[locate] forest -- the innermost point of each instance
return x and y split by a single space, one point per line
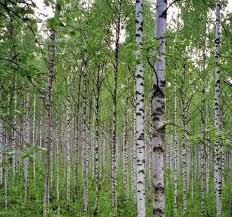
115 108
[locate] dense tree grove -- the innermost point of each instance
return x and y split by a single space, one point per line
116 108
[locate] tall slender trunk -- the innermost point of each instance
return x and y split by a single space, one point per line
96 148
185 140
34 136
207 164
14 137
203 150
114 121
158 110
218 113
58 136
40 133
52 160
1 148
26 143
194 172
91 153
5 172
84 140
175 148
14 57
3 163
125 145
90 138
140 145
51 74
68 143
77 139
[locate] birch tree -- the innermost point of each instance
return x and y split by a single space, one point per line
26 145
175 141
140 144
218 112
97 141
117 26
48 141
185 138
68 142
203 149
125 144
84 140
158 109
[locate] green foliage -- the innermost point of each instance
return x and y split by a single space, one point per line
88 34
126 204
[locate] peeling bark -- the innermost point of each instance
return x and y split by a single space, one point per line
158 110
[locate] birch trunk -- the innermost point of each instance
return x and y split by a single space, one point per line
208 165
51 74
184 142
68 143
203 152
34 135
26 144
4 141
40 134
175 148
84 141
14 141
5 174
58 133
158 109
114 121
77 138
140 144
218 113
125 146
96 148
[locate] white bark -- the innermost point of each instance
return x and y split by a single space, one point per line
218 115
5 175
84 141
158 109
207 167
68 143
14 142
140 144
34 135
26 143
185 141
175 147
97 146
125 146
114 152
203 150
51 74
